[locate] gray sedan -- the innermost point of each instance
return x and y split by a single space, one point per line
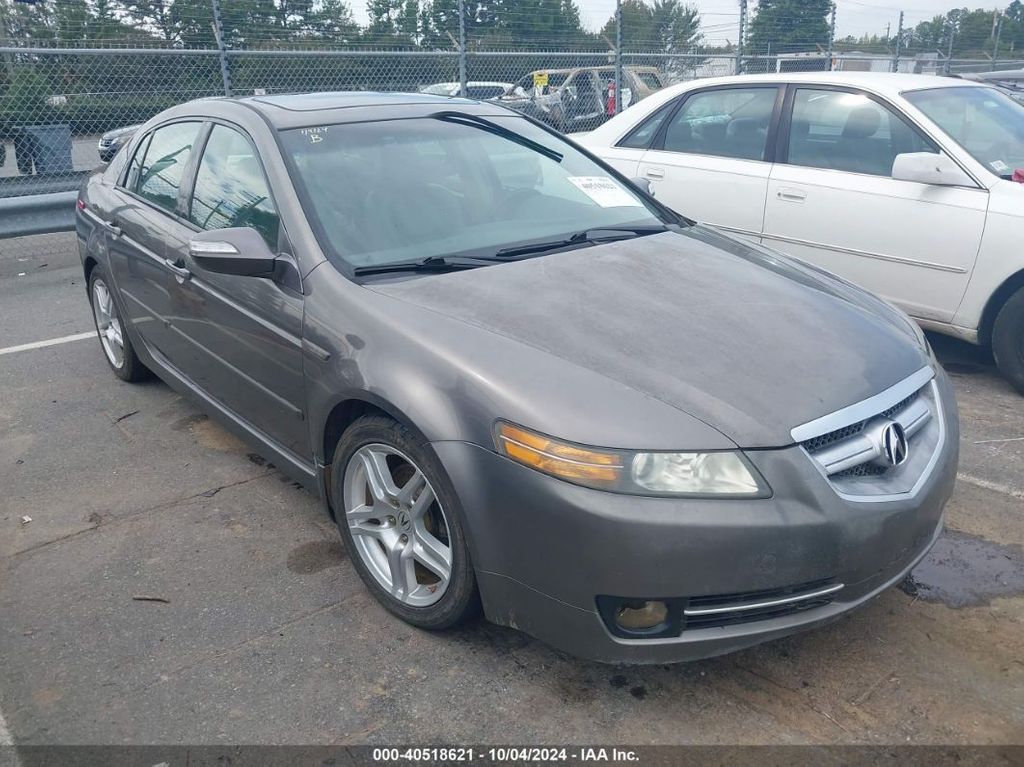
519 384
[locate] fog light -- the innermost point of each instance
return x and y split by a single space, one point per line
637 616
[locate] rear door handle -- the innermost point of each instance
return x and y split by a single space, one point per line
654 172
178 271
113 228
792 195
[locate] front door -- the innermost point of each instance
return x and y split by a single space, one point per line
832 201
239 338
711 161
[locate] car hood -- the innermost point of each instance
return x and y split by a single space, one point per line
748 341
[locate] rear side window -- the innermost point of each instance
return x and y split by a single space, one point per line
846 131
230 188
649 79
167 153
728 122
642 135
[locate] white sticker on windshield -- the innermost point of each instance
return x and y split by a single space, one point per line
999 167
605 192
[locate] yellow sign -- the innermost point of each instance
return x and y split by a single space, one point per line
540 79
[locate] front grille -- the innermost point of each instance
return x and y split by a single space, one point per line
748 607
818 443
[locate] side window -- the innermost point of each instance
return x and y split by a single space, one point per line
230 188
131 180
728 122
167 153
839 130
642 135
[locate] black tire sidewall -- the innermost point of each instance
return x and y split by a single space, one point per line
460 601
1008 340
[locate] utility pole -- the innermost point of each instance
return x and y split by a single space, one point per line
899 41
462 49
739 38
831 34
949 50
995 46
618 56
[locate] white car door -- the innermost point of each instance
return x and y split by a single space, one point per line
625 154
711 160
832 201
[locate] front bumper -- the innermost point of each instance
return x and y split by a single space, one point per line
544 550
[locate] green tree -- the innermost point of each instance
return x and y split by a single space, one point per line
789 26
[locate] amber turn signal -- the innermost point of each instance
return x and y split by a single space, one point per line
560 459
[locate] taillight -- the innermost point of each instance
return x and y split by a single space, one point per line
81 204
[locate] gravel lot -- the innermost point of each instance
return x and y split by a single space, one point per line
267 635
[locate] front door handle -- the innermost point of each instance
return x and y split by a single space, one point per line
179 271
654 172
792 195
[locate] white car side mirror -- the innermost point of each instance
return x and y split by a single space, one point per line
929 168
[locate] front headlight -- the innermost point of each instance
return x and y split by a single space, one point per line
719 474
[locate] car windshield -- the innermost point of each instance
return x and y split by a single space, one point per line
984 121
452 184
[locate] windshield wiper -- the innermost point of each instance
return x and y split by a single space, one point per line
498 130
588 236
431 264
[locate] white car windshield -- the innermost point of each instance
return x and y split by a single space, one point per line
984 121
452 185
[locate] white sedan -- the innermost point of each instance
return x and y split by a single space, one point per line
901 183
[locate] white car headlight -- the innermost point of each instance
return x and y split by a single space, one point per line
694 474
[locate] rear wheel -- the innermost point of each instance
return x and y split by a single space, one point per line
1008 340
117 347
400 524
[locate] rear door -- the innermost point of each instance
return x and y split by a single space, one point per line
145 208
239 338
832 201
711 158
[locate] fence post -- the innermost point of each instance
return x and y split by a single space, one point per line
5 41
831 34
995 47
463 77
899 39
949 50
222 49
739 38
618 56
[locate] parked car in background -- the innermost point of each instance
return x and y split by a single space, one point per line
902 184
111 141
577 98
540 392
1009 81
483 90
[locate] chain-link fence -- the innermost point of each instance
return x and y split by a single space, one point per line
74 70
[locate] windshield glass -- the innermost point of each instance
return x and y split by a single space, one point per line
984 121
393 191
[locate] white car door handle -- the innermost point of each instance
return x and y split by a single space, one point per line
654 172
792 195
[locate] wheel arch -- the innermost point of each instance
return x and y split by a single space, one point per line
349 408
996 301
88 265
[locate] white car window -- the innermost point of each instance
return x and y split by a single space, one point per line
847 131
727 122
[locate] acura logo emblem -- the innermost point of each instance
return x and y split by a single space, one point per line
403 520
894 444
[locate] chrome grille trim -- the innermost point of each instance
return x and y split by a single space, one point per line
767 603
865 409
854 451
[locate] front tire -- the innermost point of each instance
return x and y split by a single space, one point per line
117 346
401 524
1008 340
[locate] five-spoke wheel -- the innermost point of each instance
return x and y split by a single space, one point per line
117 346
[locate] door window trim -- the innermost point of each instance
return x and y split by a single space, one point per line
187 174
786 123
657 143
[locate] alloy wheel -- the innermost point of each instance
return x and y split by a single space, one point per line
398 525
108 323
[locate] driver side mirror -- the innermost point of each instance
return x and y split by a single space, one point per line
241 251
929 168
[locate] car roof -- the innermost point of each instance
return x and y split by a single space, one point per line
299 110
882 83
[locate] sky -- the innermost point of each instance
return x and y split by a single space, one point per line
721 17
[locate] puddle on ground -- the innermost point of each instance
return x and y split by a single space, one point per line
964 570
